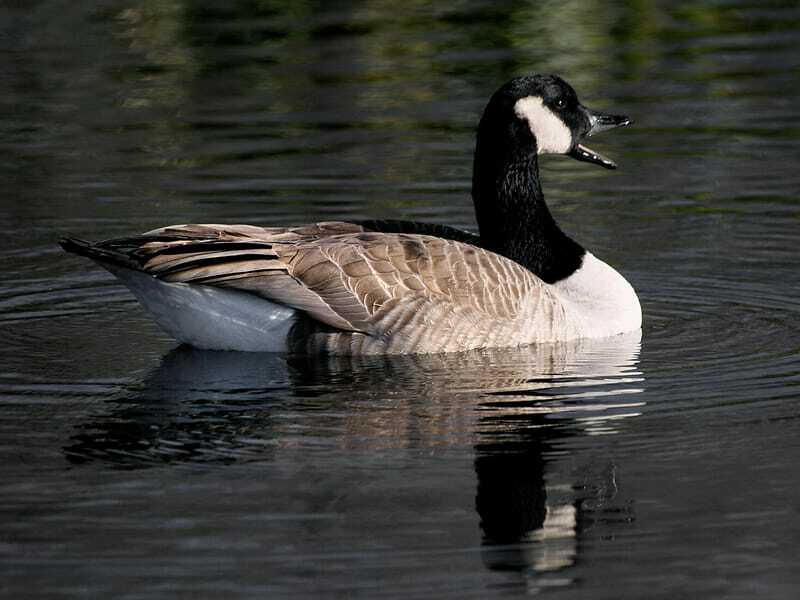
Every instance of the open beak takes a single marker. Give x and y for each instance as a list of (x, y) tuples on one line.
[(598, 122)]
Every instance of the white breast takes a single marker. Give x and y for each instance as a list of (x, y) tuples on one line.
[(598, 300)]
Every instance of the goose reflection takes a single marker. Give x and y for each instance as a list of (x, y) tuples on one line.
[(195, 407), (512, 406), (531, 519)]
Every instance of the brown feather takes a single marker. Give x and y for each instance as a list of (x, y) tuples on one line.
[(400, 292)]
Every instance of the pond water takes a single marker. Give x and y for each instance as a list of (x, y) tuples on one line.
[(663, 465)]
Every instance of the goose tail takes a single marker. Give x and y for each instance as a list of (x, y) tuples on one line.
[(204, 316), (99, 253)]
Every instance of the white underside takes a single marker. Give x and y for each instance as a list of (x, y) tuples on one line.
[(209, 317)]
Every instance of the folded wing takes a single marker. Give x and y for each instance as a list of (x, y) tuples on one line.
[(413, 290)]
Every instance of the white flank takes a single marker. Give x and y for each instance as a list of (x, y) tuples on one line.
[(551, 133), (598, 300), (209, 317)]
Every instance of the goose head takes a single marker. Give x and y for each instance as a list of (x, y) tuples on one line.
[(542, 114), (528, 116)]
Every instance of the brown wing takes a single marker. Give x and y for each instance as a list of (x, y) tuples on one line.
[(412, 288)]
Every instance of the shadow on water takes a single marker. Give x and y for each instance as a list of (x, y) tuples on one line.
[(512, 406)]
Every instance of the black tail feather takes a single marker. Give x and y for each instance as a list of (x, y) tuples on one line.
[(98, 253)]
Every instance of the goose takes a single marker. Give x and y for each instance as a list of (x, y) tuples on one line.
[(398, 287)]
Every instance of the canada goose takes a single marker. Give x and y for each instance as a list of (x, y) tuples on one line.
[(395, 286)]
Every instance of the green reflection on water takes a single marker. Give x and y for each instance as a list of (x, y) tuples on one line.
[(201, 84)]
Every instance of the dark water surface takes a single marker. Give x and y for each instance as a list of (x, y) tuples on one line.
[(665, 467)]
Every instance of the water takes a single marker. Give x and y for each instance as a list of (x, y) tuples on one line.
[(663, 467)]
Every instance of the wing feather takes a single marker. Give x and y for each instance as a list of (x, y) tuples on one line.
[(401, 287)]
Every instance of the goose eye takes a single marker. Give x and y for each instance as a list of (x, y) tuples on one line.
[(561, 103)]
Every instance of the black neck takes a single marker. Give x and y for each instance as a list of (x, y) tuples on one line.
[(513, 219)]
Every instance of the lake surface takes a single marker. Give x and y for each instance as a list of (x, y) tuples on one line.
[(664, 465)]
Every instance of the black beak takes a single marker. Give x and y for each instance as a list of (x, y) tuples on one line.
[(598, 122)]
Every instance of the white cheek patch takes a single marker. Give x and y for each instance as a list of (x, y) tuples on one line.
[(552, 135)]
